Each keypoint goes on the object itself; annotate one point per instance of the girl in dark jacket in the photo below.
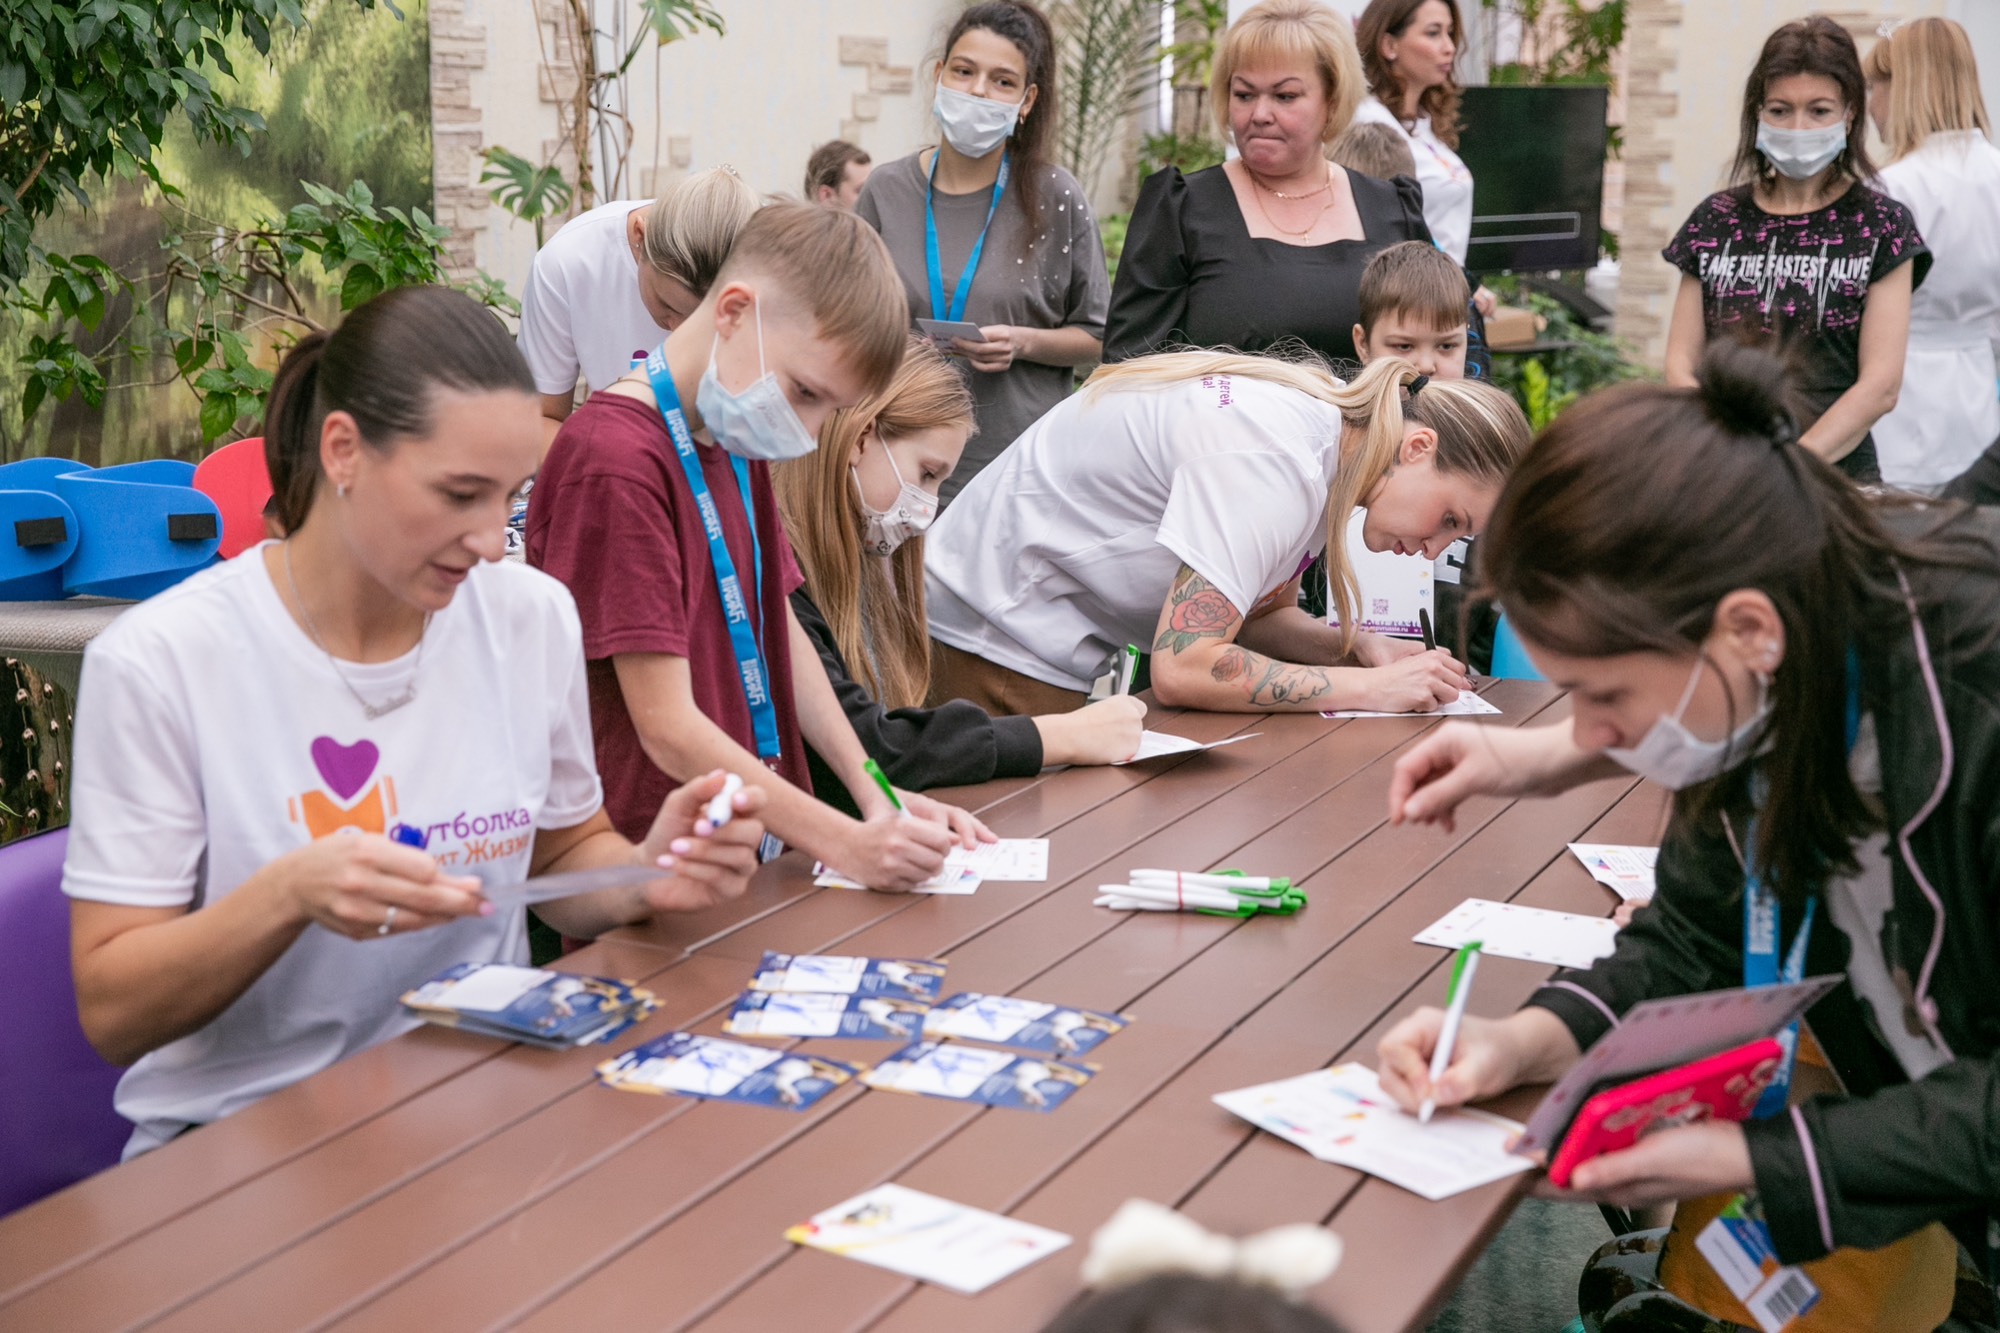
(856, 510)
(1817, 675)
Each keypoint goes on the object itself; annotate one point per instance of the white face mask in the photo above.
(908, 517)
(1674, 757)
(1800, 154)
(974, 126)
(757, 423)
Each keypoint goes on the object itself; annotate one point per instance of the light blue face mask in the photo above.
(1800, 154)
(757, 423)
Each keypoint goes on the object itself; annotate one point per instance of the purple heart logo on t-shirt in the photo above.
(346, 768)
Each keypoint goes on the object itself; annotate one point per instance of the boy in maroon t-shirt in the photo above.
(806, 317)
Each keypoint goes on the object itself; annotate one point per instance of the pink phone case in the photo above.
(1720, 1087)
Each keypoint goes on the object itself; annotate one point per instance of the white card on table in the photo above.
(1341, 1115)
(1467, 704)
(1660, 1034)
(1010, 860)
(1157, 744)
(1532, 934)
(928, 1238)
(1626, 871)
(949, 880)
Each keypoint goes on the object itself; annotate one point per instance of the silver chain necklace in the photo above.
(373, 711)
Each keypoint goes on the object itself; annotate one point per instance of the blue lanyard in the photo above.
(1760, 928)
(956, 311)
(735, 605)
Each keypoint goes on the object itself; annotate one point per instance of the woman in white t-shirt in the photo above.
(611, 282)
(260, 749)
(1408, 48)
(1923, 95)
(1176, 500)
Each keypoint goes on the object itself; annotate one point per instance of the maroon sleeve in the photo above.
(607, 531)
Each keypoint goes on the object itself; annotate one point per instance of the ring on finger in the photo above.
(388, 923)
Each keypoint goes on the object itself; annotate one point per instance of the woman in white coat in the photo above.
(1923, 95)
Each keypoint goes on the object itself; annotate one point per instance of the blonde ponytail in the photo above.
(1481, 430)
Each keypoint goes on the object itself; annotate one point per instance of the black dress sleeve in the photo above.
(918, 748)
(1410, 196)
(1149, 298)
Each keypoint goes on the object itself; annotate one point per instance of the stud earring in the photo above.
(340, 491)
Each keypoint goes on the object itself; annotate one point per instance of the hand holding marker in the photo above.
(1463, 967)
(874, 770)
(722, 809)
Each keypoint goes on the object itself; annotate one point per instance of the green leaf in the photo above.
(218, 414)
(13, 83)
(31, 398)
(361, 284)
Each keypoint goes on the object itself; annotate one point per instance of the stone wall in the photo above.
(458, 49)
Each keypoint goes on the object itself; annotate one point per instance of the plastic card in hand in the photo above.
(840, 974)
(1659, 1034)
(1532, 934)
(975, 1074)
(528, 1003)
(1158, 744)
(1341, 1115)
(569, 883)
(709, 1067)
(1467, 704)
(1720, 1087)
(1008, 861)
(813, 1014)
(949, 880)
(1025, 1025)
(1626, 871)
(942, 331)
(928, 1238)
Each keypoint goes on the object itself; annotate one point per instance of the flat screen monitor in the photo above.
(1537, 160)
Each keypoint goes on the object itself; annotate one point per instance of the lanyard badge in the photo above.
(955, 312)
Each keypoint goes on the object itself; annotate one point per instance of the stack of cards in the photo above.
(730, 1071)
(551, 1009)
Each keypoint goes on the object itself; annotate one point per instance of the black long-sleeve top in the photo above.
(918, 748)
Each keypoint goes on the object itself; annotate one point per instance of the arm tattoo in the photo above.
(1270, 682)
(1195, 611)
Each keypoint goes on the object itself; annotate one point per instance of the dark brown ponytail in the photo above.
(1643, 506)
(380, 367)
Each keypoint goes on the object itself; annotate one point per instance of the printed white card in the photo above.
(1158, 744)
(1626, 871)
(1009, 861)
(1532, 934)
(928, 1238)
(493, 987)
(949, 880)
(1341, 1115)
(1467, 704)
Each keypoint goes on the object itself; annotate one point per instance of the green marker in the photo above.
(1463, 968)
(1128, 669)
(874, 770)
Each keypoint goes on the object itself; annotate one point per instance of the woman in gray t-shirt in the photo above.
(1017, 249)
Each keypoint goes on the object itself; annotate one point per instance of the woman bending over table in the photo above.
(256, 747)
(1175, 501)
(1814, 673)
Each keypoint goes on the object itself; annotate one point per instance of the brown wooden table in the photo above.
(444, 1181)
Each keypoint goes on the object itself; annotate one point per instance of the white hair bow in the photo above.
(1143, 1238)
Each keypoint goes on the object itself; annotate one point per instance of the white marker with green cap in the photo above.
(1463, 965)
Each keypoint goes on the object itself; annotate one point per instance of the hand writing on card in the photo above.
(1491, 1056)
(964, 825)
(1711, 1157)
(707, 865)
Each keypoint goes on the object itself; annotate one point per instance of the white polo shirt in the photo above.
(1063, 549)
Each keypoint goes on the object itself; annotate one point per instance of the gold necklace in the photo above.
(1272, 222)
(1322, 188)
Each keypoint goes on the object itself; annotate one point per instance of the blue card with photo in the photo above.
(1025, 1025)
(812, 1014)
(729, 1071)
(835, 974)
(529, 1004)
(977, 1074)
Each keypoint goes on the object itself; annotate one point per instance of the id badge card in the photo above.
(1737, 1245)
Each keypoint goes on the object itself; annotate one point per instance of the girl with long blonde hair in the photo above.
(1923, 95)
(856, 510)
(1174, 503)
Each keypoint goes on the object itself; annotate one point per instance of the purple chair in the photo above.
(56, 1121)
